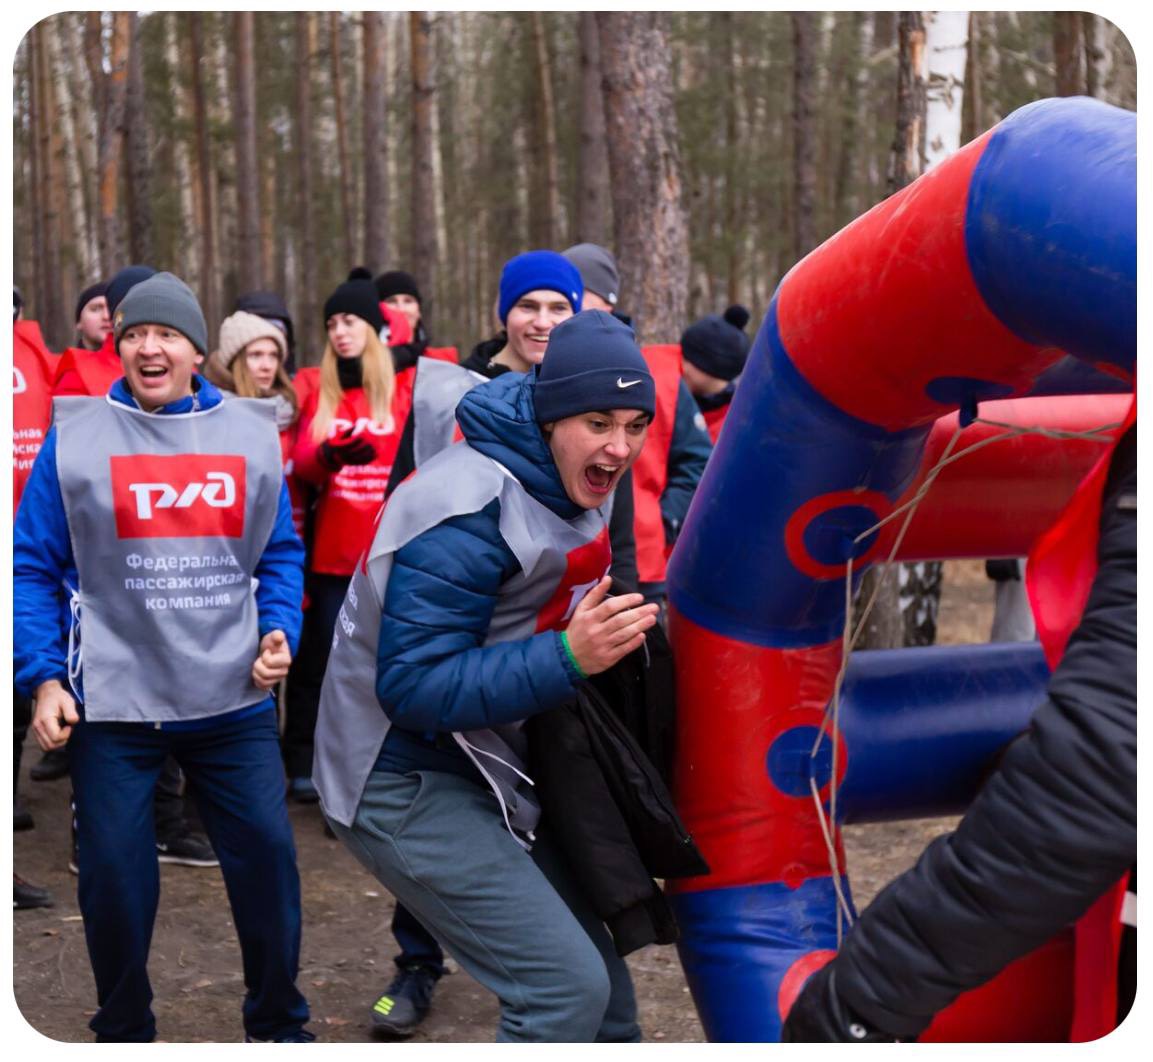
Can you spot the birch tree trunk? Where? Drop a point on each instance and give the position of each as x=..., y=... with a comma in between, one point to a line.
x=594, y=201
x=375, y=129
x=247, y=166
x=1098, y=56
x=345, y=165
x=423, y=202
x=946, y=49
x=804, y=133
x=137, y=183
x=66, y=119
x=206, y=212
x=652, y=236
x=302, y=142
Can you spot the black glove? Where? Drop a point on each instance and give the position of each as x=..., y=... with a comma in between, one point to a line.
x=344, y=449
x=819, y=1016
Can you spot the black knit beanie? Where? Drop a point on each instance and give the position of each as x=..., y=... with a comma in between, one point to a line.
x=357, y=295
x=397, y=282
x=123, y=282
x=88, y=294
x=718, y=345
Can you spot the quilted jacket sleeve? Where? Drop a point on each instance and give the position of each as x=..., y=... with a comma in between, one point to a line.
x=433, y=671
x=1051, y=830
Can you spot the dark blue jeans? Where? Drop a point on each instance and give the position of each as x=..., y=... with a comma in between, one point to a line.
x=235, y=773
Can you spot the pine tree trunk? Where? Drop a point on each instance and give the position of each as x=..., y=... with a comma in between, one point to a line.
x=594, y=202
x=182, y=164
x=804, y=133
x=733, y=162
x=34, y=299
x=946, y=49
x=306, y=307
x=137, y=182
x=546, y=124
x=345, y=174
x=1068, y=53
x=851, y=193
x=111, y=99
x=247, y=165
x=209, y=285
x=644, y=161
x=84, y=129
x=375, y=129
x=907, y=160
x=423, y=188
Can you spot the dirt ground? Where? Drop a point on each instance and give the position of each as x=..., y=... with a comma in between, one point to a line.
x=347, y=947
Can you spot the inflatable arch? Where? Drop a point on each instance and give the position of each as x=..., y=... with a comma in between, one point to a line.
x=972, y=285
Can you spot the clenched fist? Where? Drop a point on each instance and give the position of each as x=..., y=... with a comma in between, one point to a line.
x=273, y=662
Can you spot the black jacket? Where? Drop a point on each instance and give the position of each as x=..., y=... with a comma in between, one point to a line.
x=1052, y=829
x=606, y=806
x=622, y=539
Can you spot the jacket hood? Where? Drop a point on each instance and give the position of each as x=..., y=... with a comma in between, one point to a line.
x=498, y=419
x=204, y=396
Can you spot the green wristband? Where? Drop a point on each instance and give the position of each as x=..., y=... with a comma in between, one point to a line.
x=569, y=653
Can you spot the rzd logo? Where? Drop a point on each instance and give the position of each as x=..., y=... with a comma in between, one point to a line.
x=19, y=384
x=182, y=496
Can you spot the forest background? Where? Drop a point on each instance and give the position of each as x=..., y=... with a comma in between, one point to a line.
x=275, y=150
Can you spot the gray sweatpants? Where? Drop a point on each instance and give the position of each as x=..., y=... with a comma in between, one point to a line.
x=512, y=919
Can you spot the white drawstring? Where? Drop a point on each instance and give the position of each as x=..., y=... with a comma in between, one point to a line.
x=75, y=649
x=494, y=756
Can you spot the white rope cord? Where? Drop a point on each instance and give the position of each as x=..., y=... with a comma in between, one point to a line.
x=851, y=632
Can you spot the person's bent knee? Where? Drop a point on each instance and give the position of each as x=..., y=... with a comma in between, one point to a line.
x=567, y=1002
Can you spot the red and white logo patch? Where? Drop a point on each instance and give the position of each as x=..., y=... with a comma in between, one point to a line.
x=587, y=566
x=179, y=496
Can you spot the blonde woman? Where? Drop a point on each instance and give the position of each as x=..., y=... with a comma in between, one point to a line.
x=249, y=363
x=345, y=444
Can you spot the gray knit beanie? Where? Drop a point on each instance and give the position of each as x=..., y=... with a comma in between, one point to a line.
x=163, y=299
x=242, y=328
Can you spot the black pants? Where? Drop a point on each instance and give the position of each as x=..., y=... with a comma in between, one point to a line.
x=302, y=696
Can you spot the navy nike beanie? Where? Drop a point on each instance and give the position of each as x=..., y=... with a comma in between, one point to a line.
x=592, y=363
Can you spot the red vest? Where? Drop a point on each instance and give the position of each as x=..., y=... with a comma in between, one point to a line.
x=1059, y=576
x=33, y=367
x=651, y=470
x=450, y=354
x=715, y=419
x=350, y=497
x=88, y=372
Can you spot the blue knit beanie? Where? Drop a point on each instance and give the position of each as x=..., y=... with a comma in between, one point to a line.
x=538, y=270
x=592, y=363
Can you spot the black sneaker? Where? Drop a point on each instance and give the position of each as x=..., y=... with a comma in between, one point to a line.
x=52, y=765
x=187, y=850
x=405, y=1003
x=25, y=895
x=21, y=816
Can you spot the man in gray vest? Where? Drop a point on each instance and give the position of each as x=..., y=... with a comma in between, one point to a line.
x=159, y=518
x=481, y=602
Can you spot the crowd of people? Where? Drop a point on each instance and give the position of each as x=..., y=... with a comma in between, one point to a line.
x=223, y=513
x=367, y=583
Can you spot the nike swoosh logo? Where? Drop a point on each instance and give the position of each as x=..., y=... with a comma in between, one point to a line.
x=622, y=385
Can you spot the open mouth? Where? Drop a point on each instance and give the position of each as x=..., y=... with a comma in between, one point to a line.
x=153, y=372
x=600, y=479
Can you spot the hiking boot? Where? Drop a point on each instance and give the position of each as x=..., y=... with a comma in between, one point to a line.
x=405, y=1003
x=25, y=895
x=186, y=850
x=302, y=790
x=21, y=816
x=52, y=765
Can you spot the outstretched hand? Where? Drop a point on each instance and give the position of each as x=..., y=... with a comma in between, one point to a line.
x=604, y=629
x=273, y=662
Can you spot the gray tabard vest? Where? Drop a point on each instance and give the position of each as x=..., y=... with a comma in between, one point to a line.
x=169, y=516
x=436, y=390
x=352, y=726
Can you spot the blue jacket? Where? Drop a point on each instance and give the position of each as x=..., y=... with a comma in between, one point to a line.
x=433, y=671
x=689, y=451
x=43, y=564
